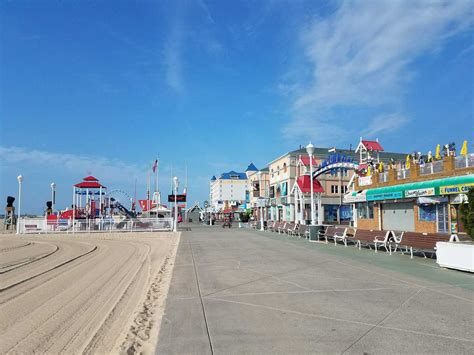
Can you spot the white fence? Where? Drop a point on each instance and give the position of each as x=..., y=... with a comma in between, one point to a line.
x=104, y=225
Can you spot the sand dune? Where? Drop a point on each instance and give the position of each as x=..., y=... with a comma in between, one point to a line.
x=83, y=293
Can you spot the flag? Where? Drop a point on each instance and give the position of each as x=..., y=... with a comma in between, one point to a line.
x=438, y=152
x=155, y=165
x=464, y=148
x=407, y=164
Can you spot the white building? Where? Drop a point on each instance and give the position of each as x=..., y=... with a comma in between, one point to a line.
x=229, y=191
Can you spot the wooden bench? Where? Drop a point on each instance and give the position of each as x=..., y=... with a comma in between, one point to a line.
x=303, y=231
x=294, y=230
x=270, y=225
x=420, y=242
x=332, y=232
x=366, y=237
x=282, y=228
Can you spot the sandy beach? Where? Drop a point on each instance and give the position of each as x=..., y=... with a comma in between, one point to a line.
x=85, y=293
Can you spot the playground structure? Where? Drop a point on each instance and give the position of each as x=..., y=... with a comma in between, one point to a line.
x=93, y=209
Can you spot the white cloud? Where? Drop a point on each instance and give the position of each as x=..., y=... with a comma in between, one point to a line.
x=360, y=56
x=106, y=169
x=173, y=59
x=385, y=123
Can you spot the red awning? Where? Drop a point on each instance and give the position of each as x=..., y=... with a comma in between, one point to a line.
x=89, y=185
x=305, y=187
x=372, y=145
x=304, y=159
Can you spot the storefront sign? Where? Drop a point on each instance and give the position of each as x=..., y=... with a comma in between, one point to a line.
x=385, y=196
x=365, y=180
x=423, y=200
x=455, y=189
x=262, y=202
x=354, y=197
x=419, y=192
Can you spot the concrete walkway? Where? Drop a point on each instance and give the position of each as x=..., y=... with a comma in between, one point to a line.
x=245, y=291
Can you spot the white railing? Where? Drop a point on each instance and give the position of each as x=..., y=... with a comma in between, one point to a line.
x=383, y=177
x=103, y=225
x=403, y=174
x=431, y=168
x=464, y=161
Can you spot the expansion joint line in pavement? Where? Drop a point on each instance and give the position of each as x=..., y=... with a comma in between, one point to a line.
x=383, y=319
x=200, y=298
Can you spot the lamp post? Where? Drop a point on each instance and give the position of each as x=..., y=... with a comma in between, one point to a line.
x=310, y=151
x=53, y=195
x=20, y=180
x=261, y=200
x=176, y=184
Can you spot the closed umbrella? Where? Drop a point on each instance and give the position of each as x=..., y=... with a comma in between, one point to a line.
x=407, y=164
x=438, y=152
x=464, y=149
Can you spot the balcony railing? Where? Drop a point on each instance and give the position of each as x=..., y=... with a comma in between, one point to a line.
x=432, y=168
x=383, y=177
x=464, y=161
x=403, y=174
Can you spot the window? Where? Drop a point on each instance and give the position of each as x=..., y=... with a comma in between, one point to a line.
x=272, y=191
x=365, y=210
x=284, y=167
x=334, y=189
x=427, y=213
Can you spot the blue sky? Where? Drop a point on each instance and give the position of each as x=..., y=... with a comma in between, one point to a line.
x=105, y=87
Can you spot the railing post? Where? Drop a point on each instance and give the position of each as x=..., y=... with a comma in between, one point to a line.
x=392, y=175
x=448, y=163
x=415, y=171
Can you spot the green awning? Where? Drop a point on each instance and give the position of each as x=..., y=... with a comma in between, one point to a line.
x=446, y=186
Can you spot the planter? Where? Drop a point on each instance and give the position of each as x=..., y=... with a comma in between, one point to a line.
x=455, y=255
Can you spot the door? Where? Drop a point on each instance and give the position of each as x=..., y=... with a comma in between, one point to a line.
x=442, y=217
x=398, y=216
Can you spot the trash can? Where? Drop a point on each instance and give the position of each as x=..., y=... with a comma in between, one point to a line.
x=314, y=232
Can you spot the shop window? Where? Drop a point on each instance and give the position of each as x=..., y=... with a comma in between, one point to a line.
x=427, y=213
x=365, y=210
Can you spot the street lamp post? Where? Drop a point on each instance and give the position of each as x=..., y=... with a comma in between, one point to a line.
x=20, y=180
x=176, y=184
x=53, y=195
x=310, y=151
x=262, y=228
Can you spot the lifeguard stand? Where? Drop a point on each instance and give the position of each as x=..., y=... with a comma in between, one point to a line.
x=10, y=219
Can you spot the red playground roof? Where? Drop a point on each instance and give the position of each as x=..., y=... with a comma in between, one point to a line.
x=304, y=159
x=372, y=145
x=304, y=184
x=89, y=185
x=90, y=178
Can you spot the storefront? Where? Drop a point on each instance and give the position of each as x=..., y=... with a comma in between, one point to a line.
x=428, y=206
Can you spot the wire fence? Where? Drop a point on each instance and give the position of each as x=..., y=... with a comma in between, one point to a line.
x=102, y=225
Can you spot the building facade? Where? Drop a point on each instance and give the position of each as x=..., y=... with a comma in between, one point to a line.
x=229, y=191
x=419, y=197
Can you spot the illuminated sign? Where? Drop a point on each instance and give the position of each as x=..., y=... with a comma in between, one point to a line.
x=179, y=198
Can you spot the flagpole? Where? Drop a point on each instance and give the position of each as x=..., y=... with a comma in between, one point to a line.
x=148, y=193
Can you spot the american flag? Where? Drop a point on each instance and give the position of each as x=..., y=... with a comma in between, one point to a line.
x=155, y=165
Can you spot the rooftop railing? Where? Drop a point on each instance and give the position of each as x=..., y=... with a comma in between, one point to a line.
x=431, y=168
x=464, y=161
x=403, y=174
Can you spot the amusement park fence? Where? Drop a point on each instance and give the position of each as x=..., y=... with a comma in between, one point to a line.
x=103, y=225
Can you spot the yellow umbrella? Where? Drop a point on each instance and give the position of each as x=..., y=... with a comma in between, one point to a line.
x=464, y=148
x=438, y=152
x=380, y=167
x=407, y=164
x=368, y=171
